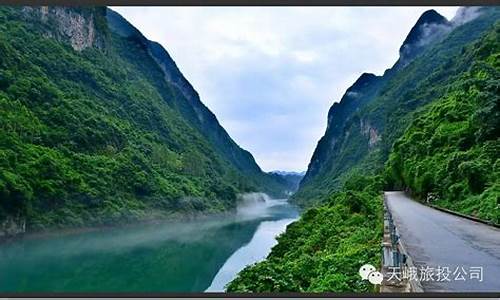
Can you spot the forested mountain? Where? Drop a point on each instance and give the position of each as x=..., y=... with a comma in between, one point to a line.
x=189, y=104
x=375, y=110
x=429, y=28
x=98, y=125
x=451, y=150
x=430, y=125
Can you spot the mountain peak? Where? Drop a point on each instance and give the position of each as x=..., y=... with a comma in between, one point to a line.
x=428, y=28
x=428, y=18
x=362, y=81
x=431, y=16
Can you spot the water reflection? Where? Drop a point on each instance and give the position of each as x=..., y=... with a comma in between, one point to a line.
x=177, y=257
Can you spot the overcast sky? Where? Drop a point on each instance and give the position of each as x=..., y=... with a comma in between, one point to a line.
x=270, y=74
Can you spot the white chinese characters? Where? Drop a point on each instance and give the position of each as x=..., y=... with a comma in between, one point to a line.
x=435, y=274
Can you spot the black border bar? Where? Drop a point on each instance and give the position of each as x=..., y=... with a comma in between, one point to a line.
x=255, y=2
x=495, y=295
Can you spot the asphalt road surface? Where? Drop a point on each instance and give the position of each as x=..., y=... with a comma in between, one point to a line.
x=436, y=239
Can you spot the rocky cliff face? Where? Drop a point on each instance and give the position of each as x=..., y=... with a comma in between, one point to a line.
x=77, y=27
x=356, y=96
x=370, y=132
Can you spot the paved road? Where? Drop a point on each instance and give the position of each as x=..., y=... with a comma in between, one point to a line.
x=437, y=239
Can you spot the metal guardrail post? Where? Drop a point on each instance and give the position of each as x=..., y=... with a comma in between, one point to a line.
x=392, y=256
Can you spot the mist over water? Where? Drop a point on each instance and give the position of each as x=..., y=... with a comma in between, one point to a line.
x=256, y=250
x=170, y=256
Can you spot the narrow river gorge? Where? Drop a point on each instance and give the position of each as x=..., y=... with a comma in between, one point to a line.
x=167, y=257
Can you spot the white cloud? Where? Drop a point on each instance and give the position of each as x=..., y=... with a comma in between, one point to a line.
x=305, y=56
x=270, y=74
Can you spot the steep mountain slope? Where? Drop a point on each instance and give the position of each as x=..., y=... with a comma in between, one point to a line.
x=451, y=150
x=442, y=110
x=376, y=109
x=98, y=126
x=429, y=27
x=189, y=105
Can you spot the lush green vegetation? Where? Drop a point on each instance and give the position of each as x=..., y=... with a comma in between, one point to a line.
x=322, y=252
x=452, y=148
x=96, y=136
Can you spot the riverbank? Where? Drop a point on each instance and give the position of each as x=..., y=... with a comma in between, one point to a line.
x=159, y=218
x=154, y=216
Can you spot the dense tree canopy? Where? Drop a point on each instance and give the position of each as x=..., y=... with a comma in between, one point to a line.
x=452, y=148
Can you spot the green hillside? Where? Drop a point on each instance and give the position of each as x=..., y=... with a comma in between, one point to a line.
x=93, y=132
x=361, y=136
x=452, y=148
x=437, y=125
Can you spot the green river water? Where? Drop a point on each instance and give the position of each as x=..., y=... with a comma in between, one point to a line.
x=184, y=256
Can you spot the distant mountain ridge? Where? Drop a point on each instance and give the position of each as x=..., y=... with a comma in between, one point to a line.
x=302, y=173
x=292, y=179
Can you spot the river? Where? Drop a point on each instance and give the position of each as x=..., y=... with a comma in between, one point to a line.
x=188, y=256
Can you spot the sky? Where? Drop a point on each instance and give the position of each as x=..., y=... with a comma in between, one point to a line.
x=270, y=74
